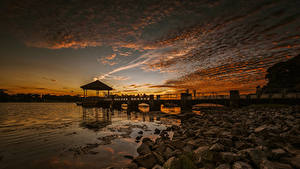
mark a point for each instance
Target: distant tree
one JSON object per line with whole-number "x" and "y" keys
{"x": 284, "y": 75}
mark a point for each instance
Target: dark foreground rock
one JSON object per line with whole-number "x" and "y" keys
{"x": 247, "y": 138}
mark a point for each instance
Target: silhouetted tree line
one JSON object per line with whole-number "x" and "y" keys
{"x": 284, "y": 76}
{"x": 4, "y": 97}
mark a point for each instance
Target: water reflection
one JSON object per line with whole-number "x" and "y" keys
{"x": 170, "y": 109}
{"x": 143, "y": 107}
{"x": 55, "y": 135}
{"x": 199, "y": 109}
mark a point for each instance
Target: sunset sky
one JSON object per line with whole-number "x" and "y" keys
{"x": 144, "y": 46}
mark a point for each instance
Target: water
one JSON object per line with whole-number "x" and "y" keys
{"x": 63, "y": 135}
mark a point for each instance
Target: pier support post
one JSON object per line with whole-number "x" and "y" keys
{"x": 154, "y": 104}
{"x": 234, "y": 98}
{"x": 185, "y": 101}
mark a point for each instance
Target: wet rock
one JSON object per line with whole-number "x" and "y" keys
{"x": 224, "y": 166}
{"x": 156, "y": 131}
{"x": 241, "y": 165}
{"x": 143, "y": 149}
{"x": 147, "y": 160}
{"x": 168, "y": 163}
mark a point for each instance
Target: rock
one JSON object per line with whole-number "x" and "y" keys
{"x": 138, "y": 138}
{"x": 159, "y": 158}
{"x": 132, "y": 166}
{"x": 216, "y": 147}
{"x": 140, "y": 132}
{"x": 266, "y": 164}
{"x": 156, "y": 131}
{"x": 167, "y": 153}
{"x": 295, "y": 161}
{"x": 277, "y": 153}
{"x": 157, "y": 167}
{"x": 143, "y": 149}
{"x": 183, "y": 162}
{"x": 149, "y": 142}
{"x": 256, "y": 155}
{"x": 147, "y": 160}
{"x": 128, "y": 156}
{"x": 224, "y": 166}
{"x": 160, "y": 147}
{"x": 188, "y": 148}
{"x": 145, "y": 140}
{"x": 241, "y": 165}
{"x": 260, "y": 128}
{"x": 168, "y": 163}
{"x": 199, "y": 152}
{"x": 229, "y": 157}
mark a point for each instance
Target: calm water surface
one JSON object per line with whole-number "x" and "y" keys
{"x": 59, "y": 135}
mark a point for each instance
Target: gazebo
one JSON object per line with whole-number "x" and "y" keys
{"x": 96, "y": 85}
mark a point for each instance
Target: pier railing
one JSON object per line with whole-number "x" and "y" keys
{"x": 197, "y": 96}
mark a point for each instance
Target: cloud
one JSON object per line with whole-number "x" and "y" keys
{"x": 209, "y": 45}
{"x": 49, "y": 79}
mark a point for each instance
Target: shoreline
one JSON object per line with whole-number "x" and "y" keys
{"x": 250, "y": 137}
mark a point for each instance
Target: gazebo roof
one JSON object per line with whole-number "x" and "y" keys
{"x": 96, "y": 85}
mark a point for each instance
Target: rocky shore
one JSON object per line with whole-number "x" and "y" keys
{"x": 254, "y": 137}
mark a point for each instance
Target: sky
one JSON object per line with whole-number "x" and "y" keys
{"x": 144, "y": 46}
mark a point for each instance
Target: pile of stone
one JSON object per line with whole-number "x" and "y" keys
{"x": 264, "y": 137}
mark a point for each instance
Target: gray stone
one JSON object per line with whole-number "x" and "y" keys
{"x": 241, "y": 165}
